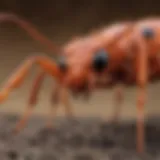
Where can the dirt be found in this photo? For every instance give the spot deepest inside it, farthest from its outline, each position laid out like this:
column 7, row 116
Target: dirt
column 76, row 139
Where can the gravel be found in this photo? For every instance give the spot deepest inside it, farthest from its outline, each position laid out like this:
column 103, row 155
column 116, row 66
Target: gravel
column 82, row 139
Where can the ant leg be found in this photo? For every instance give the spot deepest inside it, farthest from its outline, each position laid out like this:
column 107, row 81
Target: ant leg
column 32, row 102
column 18, row 76
column 60, row 95
column 54, row 105
column 142, row 79
column 65, row 100
column 140, row 120
column 118, row 102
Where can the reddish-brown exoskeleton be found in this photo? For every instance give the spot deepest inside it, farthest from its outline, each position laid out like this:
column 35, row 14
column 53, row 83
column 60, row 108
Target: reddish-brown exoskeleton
column 123, row 53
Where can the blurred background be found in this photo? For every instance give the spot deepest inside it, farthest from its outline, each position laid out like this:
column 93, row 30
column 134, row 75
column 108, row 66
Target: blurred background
column 60, row 20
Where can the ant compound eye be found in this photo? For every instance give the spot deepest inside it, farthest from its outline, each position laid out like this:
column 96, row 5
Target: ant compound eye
column 100, row 61
column 148, row 33
column 62, row 64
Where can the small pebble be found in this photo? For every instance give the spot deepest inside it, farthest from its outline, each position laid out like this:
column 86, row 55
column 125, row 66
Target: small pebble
column 13, row 155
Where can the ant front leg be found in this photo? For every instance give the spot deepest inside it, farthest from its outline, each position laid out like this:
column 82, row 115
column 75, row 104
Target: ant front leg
column 118, row 102
column 60, row 95
column 32, row 102
column 65, row 100
column 68, row 107
column 54, row 104
column 17, row 78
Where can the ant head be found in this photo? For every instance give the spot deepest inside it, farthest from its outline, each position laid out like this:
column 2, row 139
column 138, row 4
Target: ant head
column 79, row 68
column 81, row 60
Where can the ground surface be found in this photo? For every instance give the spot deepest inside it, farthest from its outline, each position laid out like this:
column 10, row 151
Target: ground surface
column 81, row 139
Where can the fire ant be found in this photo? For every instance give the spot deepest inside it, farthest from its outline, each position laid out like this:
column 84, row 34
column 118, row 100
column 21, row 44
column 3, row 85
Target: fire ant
column 123, row 53
column 72, row 50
